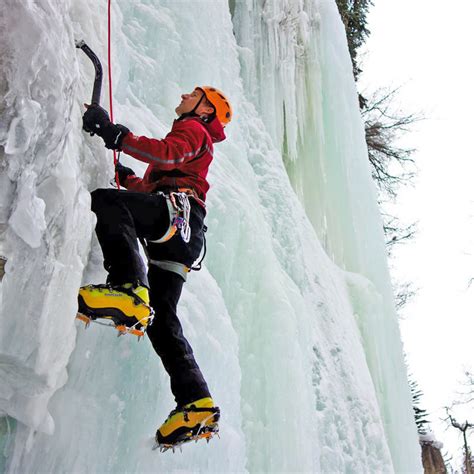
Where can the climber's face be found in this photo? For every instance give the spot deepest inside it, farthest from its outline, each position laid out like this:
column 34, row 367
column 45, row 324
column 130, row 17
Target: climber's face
column 189, row 101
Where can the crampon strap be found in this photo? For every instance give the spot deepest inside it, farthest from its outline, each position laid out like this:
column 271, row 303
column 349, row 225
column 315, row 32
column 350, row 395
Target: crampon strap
column 213, row 410
column 195, row 410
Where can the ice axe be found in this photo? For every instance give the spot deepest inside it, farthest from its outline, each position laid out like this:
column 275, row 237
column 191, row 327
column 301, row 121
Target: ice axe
column 81, row 44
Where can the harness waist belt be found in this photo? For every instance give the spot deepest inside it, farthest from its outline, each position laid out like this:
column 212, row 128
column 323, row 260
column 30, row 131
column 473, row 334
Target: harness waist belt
column 175, row 267
column 189, row 191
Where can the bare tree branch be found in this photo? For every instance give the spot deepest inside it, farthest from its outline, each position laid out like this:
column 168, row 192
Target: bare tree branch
column 463, row 428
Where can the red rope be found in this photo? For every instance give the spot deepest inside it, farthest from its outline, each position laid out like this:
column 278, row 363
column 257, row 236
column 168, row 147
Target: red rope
column 109, row 48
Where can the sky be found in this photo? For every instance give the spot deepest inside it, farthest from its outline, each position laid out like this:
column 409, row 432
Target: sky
column 426, row 47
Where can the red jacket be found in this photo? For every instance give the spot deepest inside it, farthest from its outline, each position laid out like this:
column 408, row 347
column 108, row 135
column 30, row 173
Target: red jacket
column 180, row 160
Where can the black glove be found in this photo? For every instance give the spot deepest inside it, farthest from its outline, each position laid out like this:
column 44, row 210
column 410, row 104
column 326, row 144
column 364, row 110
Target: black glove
column 96, row 121
column 123, row 172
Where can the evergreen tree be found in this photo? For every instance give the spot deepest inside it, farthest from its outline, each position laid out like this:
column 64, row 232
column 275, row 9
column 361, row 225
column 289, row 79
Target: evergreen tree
column 420, row 414
column 354, row 16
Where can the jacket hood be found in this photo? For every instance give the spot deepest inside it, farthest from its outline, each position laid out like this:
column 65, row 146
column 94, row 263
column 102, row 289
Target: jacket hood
column 214, row 127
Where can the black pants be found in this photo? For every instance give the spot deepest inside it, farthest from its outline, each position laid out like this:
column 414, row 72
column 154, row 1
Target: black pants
column 124, row 216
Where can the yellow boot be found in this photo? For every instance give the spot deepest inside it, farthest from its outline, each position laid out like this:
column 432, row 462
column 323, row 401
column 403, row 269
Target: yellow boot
column 126, row 305
column 196, row 420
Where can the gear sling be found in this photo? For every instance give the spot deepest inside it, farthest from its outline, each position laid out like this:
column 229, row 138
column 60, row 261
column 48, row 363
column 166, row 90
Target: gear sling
column 179, row 209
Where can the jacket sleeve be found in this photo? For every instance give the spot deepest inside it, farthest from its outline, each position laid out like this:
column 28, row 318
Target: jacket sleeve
column 170, row 153
column 133, row 183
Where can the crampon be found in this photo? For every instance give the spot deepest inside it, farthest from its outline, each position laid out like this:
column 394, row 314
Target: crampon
column 202, row 432
column 121, row 328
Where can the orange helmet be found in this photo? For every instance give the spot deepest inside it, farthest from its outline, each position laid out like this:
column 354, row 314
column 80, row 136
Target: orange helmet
column 220, row 103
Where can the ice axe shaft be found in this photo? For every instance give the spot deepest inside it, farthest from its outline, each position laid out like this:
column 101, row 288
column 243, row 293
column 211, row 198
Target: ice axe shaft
column 81, row 44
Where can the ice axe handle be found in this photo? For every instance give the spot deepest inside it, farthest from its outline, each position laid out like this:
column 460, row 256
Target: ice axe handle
column 98, row 71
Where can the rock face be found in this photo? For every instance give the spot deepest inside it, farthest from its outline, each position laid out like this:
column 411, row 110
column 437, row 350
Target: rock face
column 433, row 462
column 3, row 260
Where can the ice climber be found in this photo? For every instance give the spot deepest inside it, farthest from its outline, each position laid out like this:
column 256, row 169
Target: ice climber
column 166, row 209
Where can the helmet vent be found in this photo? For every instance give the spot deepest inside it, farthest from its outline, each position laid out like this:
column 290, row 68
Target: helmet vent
column 220, row 103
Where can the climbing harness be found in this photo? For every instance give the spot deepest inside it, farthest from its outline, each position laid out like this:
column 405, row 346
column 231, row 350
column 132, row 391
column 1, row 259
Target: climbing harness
column 179, row 209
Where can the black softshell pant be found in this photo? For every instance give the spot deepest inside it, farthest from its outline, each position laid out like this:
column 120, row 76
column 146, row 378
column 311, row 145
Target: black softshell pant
column 122, row 218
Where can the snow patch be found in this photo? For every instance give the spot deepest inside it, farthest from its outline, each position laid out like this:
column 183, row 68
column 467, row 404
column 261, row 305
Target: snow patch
column 28, row 219
column 430, row 438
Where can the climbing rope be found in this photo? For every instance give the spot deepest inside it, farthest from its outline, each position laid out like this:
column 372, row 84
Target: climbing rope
column 109, row 61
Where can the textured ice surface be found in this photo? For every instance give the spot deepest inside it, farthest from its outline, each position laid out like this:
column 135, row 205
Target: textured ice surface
column 291, row 318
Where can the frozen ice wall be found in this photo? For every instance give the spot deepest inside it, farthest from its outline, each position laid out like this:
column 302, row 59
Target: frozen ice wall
column 297, row 71
column 45, row 224
column 291, row 319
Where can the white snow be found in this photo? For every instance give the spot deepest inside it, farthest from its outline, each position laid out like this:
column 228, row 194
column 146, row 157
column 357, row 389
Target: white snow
column 27, row 219
column 430, row 438
column 291, row 318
